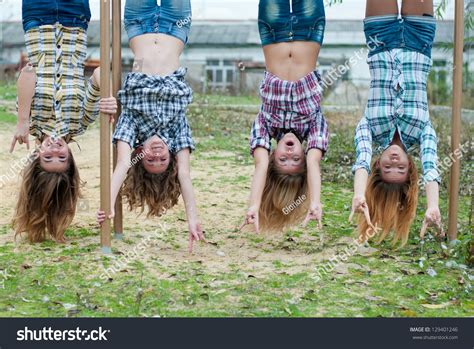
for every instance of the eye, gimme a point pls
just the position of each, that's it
(296, 159)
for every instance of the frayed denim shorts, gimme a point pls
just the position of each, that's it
(388, 32)
(69, 13)
(172, 17)
(291, 20)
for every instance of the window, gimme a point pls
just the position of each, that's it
(221, 74)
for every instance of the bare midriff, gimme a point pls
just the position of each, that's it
(156, 54)
(291, 60)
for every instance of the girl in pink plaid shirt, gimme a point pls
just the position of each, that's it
(287, 181)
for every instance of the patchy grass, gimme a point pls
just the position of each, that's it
(239, 273)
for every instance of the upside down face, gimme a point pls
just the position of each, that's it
(394, 165)
(54, 155)
(289, 155)
(156, 155)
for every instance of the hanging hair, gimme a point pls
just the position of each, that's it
(284, 198)
(47, 200)
(392, 206)
(159, 192)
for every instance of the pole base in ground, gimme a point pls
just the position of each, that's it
(106, 250)
(118, 236)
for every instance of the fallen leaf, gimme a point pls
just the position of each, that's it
(436, 306)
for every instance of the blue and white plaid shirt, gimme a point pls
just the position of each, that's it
(398, 101)
(155, 105)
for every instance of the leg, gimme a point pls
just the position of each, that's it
(381, 7)
(26, 90)
(417, 8)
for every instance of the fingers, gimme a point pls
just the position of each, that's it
(12, 147)
(424, 227)
(27, 141)
(307, 219)
(257, 226)
(243, 224)
(190, 243)
(351, 215)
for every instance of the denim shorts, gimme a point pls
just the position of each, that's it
(291, 20)
(173, 17)
(69, 13)
(416, 33)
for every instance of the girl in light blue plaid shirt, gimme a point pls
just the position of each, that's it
(397, 120)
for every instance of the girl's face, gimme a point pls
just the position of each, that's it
(54, 155)
(156, 155)
(394, 165)
(289, 155)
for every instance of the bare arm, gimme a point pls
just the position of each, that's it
(184, 176)
(260, 176)
(313, 161)
(124, 152)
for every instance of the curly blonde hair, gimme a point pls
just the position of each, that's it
(280, 192)
(47, 201)
(159, 192)
(392, 206)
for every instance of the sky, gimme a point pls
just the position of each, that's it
(221, 9)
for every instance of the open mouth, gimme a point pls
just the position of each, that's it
(290, 143)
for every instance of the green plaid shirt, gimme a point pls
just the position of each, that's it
(398, 101)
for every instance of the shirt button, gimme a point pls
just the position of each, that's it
(58, 75)
(57, 102)
(59, 46)
(290, 34)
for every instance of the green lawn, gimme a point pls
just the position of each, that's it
(273, 276)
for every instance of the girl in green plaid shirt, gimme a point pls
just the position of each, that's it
(397, 120)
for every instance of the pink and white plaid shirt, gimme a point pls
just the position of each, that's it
(290, 105)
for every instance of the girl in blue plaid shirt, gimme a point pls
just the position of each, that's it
(152, 137)
(55, 105)
(397, 120)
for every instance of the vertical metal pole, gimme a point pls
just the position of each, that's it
(456, 119)
(116, 85)
(104, 124)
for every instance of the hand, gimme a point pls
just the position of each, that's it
(108, 106)
(195, 234)
(360, 205)
(315, 212)
(101, 216)
(251, 218)
(432, 219)
(21, 136)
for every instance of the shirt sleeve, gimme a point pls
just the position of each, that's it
(91, 104)
(318, 137)
(259, 135)
(126, 130)
(363, 144)
(429, 154)
(182, 138)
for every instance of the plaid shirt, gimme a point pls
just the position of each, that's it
(61, 105)
(294, 106)
(155, 105)
(398, 101)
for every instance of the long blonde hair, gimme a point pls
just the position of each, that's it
(47, 200)
(282, 191)
(392, 206)
(159, 192)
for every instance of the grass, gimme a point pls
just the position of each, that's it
(54, 280)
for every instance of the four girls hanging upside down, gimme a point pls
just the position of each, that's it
(291, 33)
(397, 121)
(153, 128)
(153, 137)
(54, 106)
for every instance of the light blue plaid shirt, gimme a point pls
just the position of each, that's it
(398, 101)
